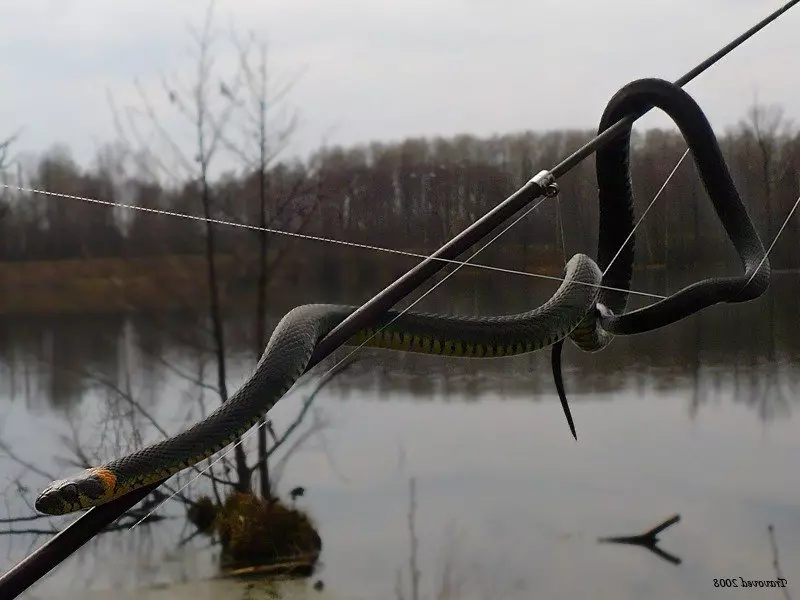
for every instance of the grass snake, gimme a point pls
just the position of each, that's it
(579, 309)
(616, 200)
(285, 358)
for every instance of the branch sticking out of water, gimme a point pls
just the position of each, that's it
(776, 563)
(648, 540)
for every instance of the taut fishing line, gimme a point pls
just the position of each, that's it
(351, 353)
(306, 236)
(459, 264)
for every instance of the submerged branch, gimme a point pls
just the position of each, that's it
(22, 462)
(776, 563)
(648, 540)
(298, 420)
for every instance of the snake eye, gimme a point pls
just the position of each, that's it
(93, 487)
(69, 491)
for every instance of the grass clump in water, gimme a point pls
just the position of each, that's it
(257, 532)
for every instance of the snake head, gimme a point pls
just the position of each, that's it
(89, 488)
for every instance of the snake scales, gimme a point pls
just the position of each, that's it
(589, 315)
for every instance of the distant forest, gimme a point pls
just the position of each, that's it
(411, 195)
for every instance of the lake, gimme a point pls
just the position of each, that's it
(698, 419)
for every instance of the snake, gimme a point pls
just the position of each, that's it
(615, 246)
(288, 352)
(588, 308)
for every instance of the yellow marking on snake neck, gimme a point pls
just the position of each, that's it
(106, 477)
(428, 344)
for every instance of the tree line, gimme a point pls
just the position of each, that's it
(411, 195)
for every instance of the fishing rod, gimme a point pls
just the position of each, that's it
(32, 568)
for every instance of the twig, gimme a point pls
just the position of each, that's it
(197, 381)
(277, 470)
(776, 560)
(31, 467)
(648, 540)
(412, 534)
(54, 531)
(84, 461)
(327, 378)
(124, 396)
(22, 519)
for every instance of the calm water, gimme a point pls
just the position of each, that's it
(698, 419)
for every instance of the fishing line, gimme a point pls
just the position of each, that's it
(460, 264)
(306, 236)
(774, 241)
(561, 227)
(253, 430)
(649, 206)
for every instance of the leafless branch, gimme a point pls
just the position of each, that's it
(413, 566)
(23, 519)
(163, 134)
(301, 415)
(24, 463)
(5, 145)
(194, 380)
(776, 563)
(132, 517)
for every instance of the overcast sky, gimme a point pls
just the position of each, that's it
(387, 69)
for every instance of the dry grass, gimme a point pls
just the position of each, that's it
(260, 536)
(107, 285)
(175, 282)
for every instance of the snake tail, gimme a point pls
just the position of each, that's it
(615, 248)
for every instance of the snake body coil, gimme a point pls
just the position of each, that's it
(285, 359)
(577, 309)
(616, 224)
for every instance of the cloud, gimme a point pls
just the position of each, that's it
(380, 69)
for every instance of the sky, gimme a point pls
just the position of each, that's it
(385, 69)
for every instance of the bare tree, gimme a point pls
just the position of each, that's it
(265, 137)
(765, 126)
(5, 148)
(213, 105)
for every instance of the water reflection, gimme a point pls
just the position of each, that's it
(695, 419)
(648, 540)
(749, 346)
